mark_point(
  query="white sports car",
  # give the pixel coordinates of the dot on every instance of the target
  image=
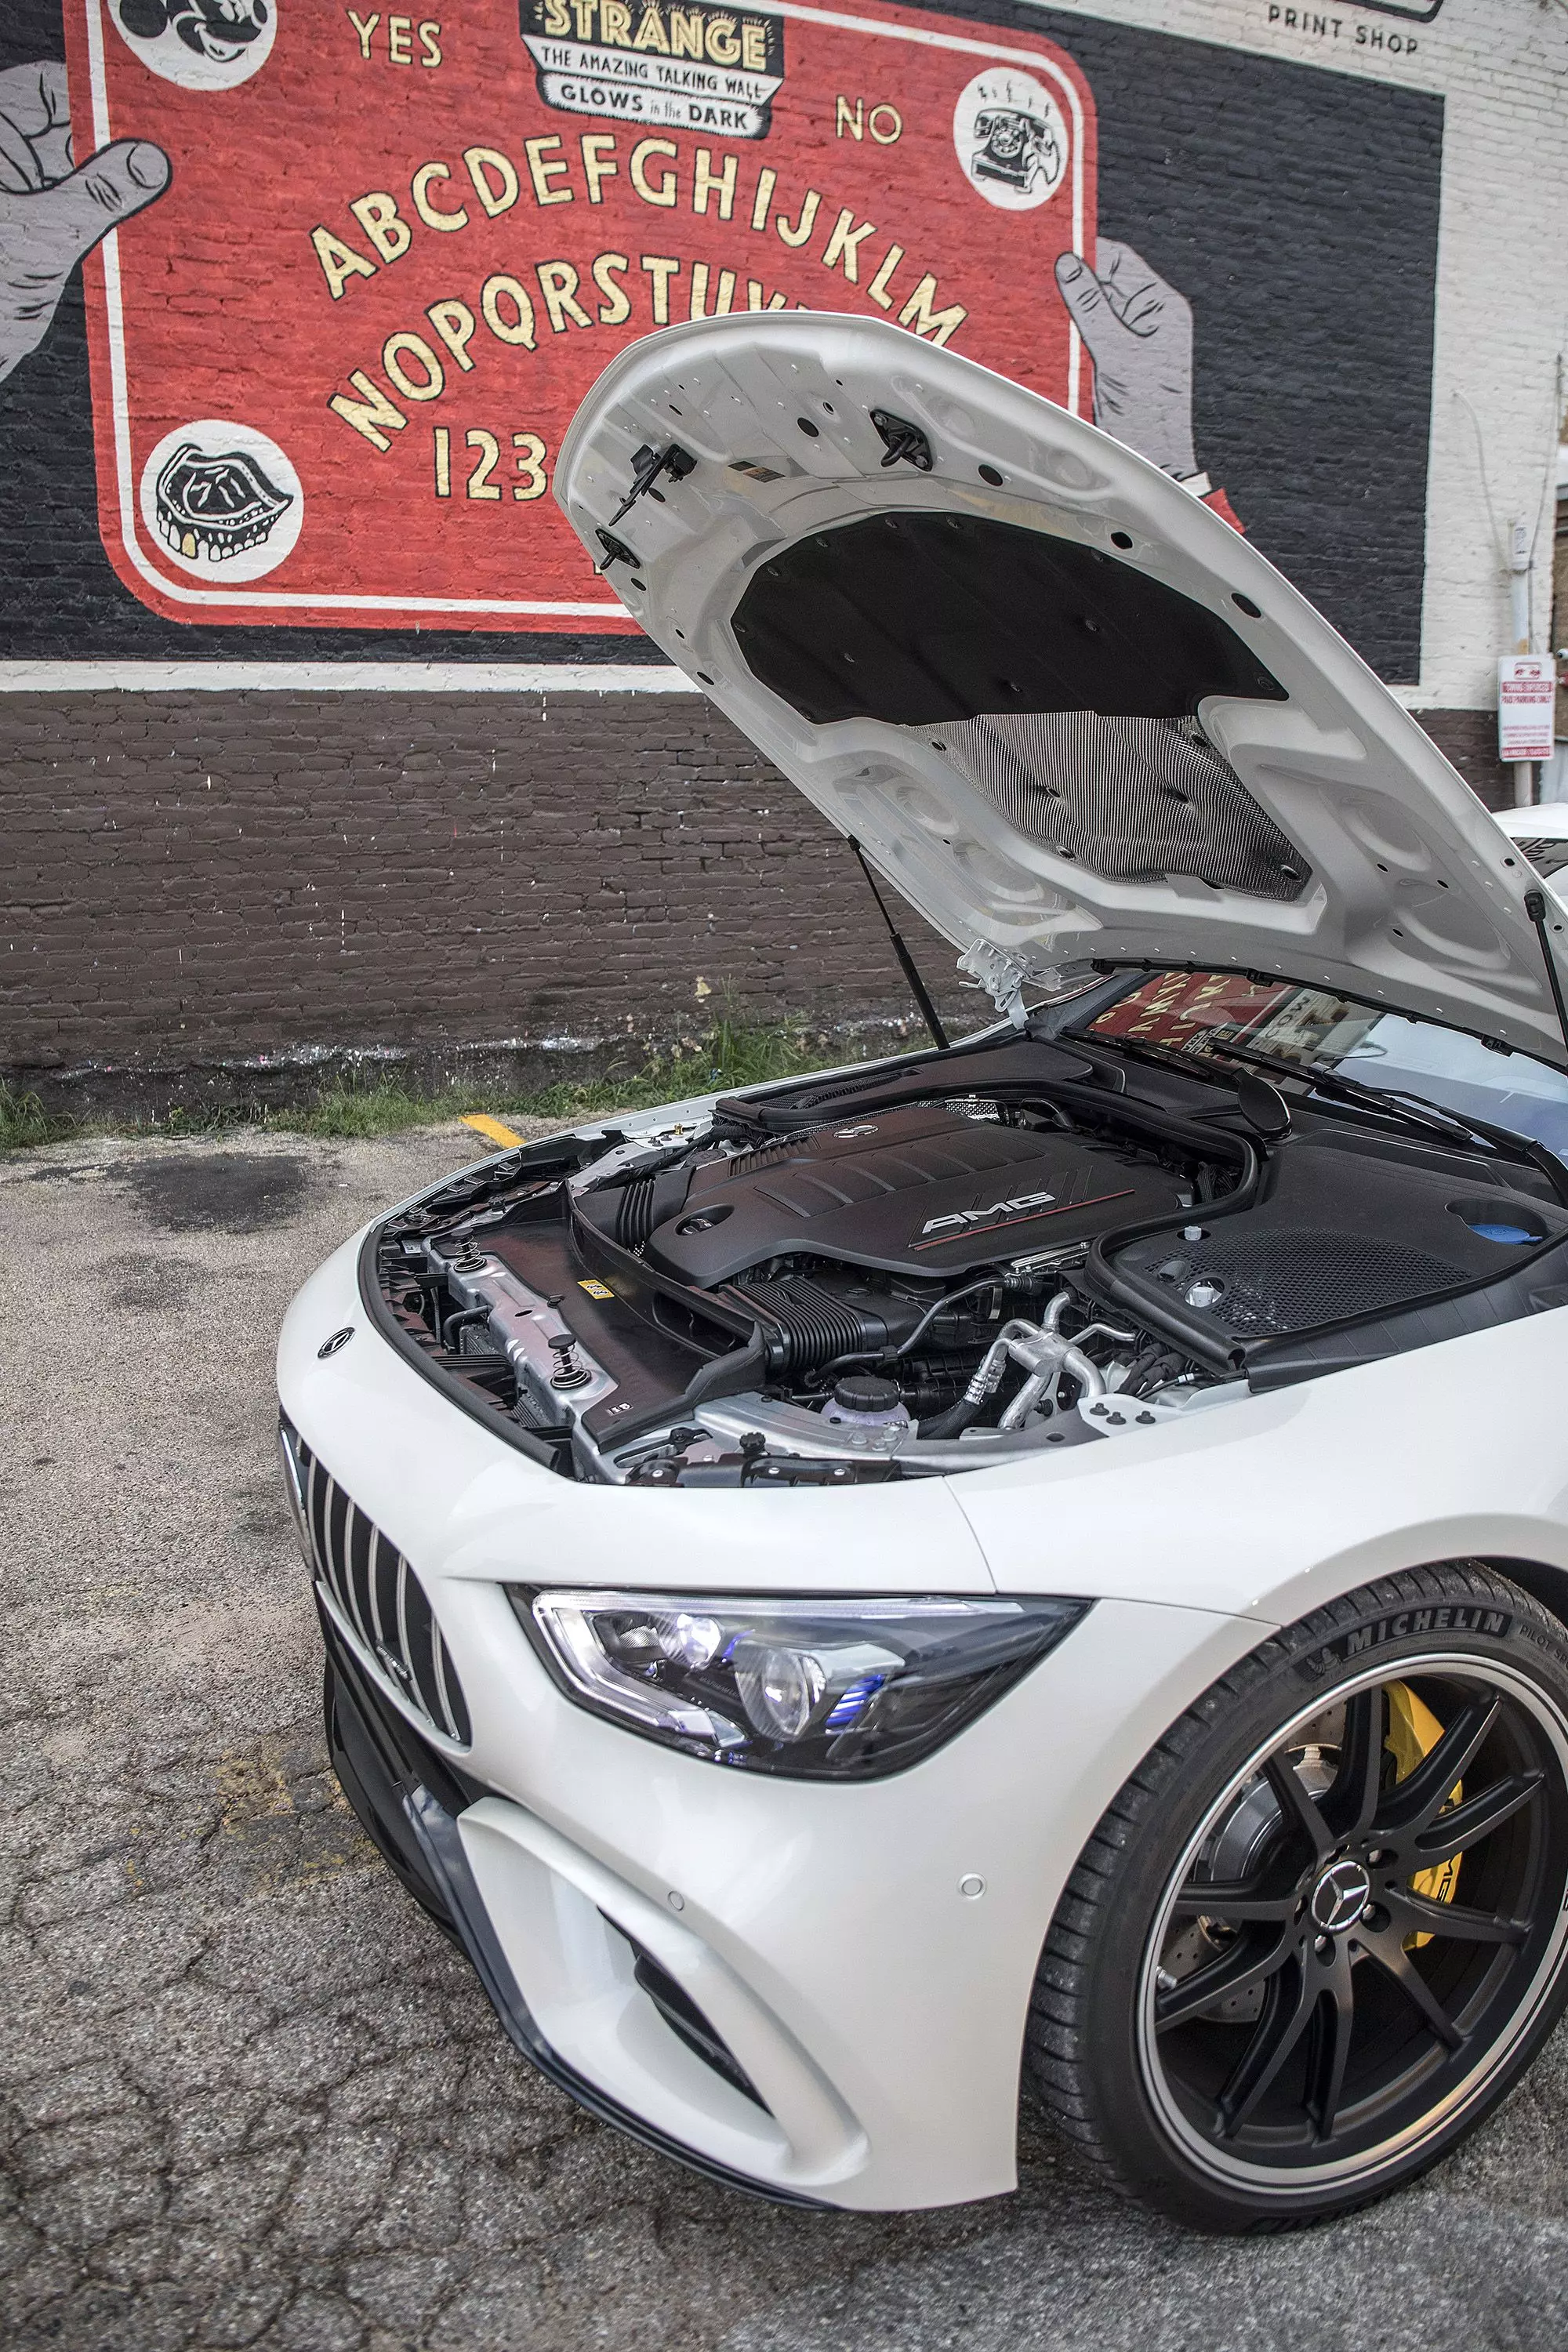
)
(1034, 1568)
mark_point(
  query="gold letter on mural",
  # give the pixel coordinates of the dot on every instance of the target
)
(339, 261)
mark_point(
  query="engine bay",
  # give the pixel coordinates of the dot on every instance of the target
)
(945, 1261)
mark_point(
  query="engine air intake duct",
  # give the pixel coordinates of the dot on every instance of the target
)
(804, 1326)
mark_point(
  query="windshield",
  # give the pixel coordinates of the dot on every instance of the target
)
(1194, 1012)
(1548, 857)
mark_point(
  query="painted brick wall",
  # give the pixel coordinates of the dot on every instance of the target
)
(207, 875)
(198, 878)
(201, 876)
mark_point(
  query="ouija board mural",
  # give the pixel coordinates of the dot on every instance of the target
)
(306, 396)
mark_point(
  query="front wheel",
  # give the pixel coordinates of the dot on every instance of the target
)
(1322, 1929)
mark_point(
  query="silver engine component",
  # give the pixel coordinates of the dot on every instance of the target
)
(1040, 1350)
(554, 1369)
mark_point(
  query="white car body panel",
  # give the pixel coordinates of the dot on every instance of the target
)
(1548, 824)
(491, 1514)
(1415, 897)
(1275, 1504)
(894, 2086)
(801, 1903)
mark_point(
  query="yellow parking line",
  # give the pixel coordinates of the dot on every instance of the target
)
(492, 1127)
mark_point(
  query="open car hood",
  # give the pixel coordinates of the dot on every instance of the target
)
(1064, 707)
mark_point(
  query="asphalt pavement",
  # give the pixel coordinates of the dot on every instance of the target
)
(250, 2097)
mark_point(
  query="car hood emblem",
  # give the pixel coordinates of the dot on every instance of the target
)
(1068, 710)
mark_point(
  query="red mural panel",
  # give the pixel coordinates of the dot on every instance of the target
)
(333, 363)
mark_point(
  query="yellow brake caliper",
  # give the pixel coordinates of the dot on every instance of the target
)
(1412, 1732)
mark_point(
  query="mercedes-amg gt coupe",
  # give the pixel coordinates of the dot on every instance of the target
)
(1034, 1569)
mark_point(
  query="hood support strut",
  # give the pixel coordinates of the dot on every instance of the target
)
(1535, 908)
(906, 961)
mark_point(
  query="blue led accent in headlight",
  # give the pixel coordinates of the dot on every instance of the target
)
(854, 1701)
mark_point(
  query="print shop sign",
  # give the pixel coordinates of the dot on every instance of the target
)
(332, 363)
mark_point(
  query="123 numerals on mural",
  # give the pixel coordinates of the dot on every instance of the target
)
(488, 464)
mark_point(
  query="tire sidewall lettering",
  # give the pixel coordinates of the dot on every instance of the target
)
(1386, 1631)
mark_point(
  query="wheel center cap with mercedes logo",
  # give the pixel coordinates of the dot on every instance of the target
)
(1340, 1896)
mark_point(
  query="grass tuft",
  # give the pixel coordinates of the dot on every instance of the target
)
(354, 1107)
(23, 1121)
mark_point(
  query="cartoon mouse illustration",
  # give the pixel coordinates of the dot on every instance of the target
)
(219, 29)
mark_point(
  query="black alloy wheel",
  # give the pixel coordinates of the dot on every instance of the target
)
(1322, 1929)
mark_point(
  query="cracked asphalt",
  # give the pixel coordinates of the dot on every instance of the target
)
(248, 2096)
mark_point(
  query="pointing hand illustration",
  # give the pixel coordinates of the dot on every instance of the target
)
(50, 214)
(1139, 332)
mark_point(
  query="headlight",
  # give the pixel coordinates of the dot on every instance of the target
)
(810, 1689)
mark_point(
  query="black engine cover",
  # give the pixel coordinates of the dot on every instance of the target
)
(922, 1190)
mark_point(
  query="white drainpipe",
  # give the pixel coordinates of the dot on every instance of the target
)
(1518, 557)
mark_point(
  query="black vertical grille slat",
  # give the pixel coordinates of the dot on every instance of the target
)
(457, 1705)
(387, 1561)
(422, 1653)
(361, 1535)
(380, 1601)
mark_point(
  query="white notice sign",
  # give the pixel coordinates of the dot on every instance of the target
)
(1526, 696)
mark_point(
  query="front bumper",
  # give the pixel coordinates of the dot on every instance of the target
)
(411, 1803)
(817, 1931)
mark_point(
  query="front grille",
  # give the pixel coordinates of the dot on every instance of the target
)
(380, 1602)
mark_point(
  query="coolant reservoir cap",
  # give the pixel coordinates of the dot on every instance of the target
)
(863, 1392)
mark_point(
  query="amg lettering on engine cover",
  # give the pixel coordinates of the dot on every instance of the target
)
(1022, 1211)
(961, 1217)
(920, 1188)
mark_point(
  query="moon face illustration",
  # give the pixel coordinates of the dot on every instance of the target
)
(222, 500)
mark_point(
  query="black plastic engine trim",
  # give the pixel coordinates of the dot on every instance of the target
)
(1278, 1359)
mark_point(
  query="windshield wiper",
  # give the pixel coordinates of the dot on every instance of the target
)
(1414, 1109)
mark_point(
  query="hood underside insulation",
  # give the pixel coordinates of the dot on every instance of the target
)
(1132, 799)
(923, 619)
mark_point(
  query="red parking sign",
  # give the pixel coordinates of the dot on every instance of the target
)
(332, 366)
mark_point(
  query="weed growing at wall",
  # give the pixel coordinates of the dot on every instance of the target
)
(23, 1121)
(732, 1054)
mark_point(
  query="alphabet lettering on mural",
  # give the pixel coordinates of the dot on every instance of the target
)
(741, 234)
(608, 269)
(729, 157)
(708, 184)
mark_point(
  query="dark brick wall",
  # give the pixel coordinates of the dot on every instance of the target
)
(199, 877)
(1469, 738)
